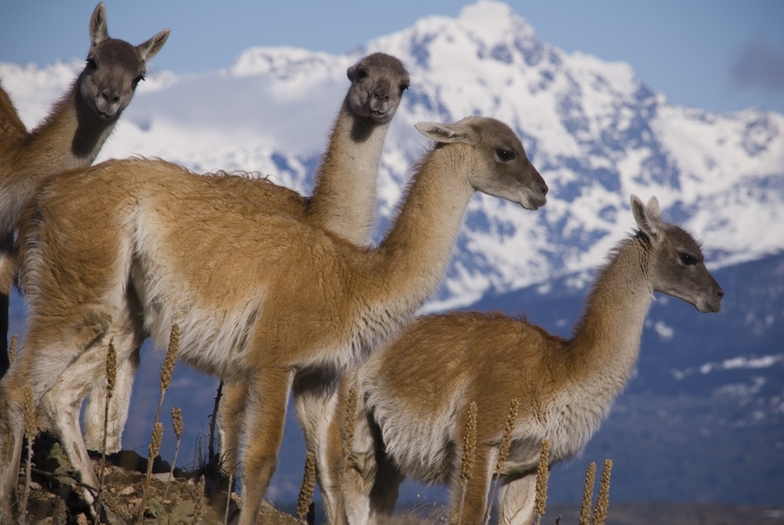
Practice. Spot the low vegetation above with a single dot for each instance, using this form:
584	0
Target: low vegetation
150	490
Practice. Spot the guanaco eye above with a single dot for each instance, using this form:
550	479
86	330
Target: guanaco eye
505	155
137	80
402	87
686	259
91	63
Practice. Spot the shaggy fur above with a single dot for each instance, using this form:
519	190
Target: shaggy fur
343	202
258	294
417	389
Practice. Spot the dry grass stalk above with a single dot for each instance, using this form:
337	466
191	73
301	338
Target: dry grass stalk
111	378
197	507
178	431
585	508
155	447
30	432
503	453
541	480
349	422
157	437
157	428
469	446
13	348
308	484
171	357
469	454
603	501
347	430
506	438
177	422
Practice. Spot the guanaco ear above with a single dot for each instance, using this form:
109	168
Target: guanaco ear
150	48
356	73
447	133
648	217
98	30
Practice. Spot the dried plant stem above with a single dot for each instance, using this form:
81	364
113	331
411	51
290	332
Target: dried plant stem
347	429
12	349
197	507
541	481
111	377
469	455
168	366
349	422
157	429
308	484
155	446
178	431
30	431
585	508
503	453
603	501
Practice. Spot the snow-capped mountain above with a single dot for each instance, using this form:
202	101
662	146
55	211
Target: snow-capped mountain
597	134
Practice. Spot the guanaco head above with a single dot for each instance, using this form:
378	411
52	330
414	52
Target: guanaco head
114	68
377	85
677	266
500	166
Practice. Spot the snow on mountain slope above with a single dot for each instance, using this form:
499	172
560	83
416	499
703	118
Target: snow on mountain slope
596	133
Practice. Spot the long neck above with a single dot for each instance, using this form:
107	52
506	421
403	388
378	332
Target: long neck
70	137
606	343
414	256
344	197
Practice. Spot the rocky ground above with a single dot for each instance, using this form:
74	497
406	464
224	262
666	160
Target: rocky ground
199	496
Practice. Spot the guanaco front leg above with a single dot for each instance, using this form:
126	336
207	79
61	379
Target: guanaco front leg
316	394
265	414
231	410
474	501
118	408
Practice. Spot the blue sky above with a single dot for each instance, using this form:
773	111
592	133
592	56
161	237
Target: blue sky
720	55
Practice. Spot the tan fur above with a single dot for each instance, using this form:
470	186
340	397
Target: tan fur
417	389
11	126
75	129
258	296
343	202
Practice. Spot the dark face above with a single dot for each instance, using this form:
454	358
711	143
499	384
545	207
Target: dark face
377	85
108	81
114	68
